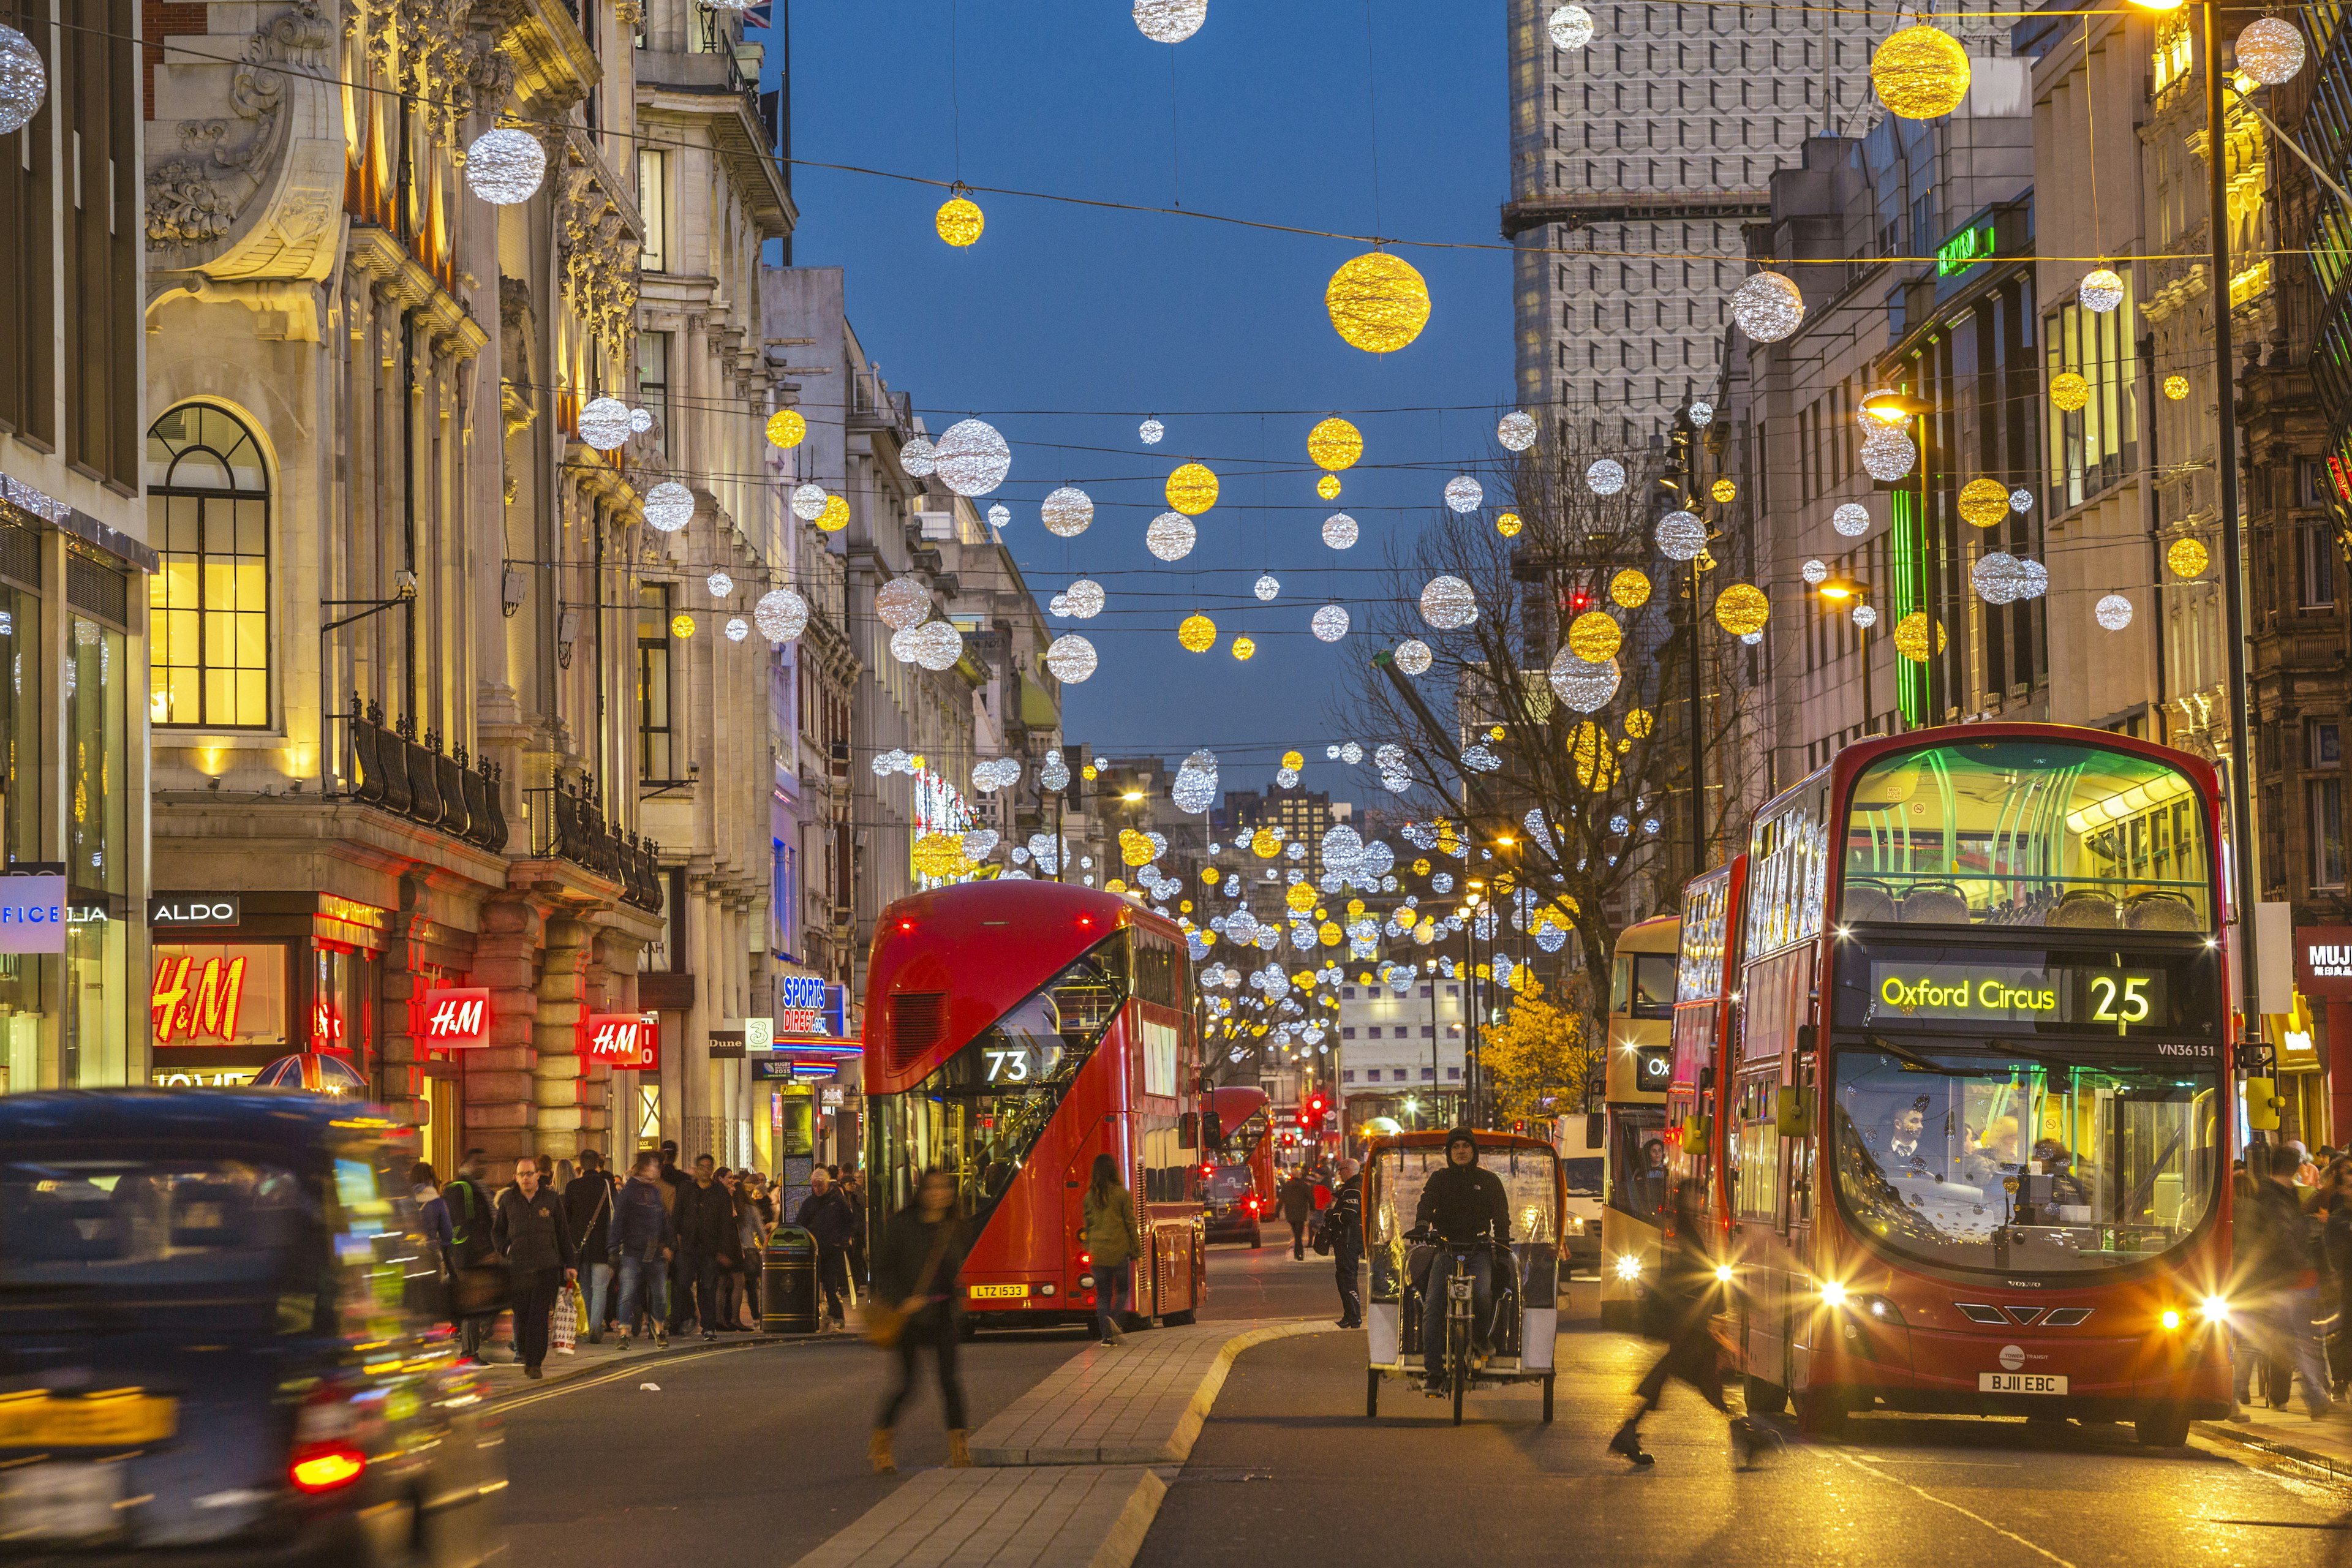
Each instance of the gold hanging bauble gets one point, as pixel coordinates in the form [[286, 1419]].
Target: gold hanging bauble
[[1629, 590], [1377, 302], [1335, 444], [1198, 633], [1742, 610], [1638, 722], [1920, 73], [1724, 491], [1244, 647], [1509, 525], [835, 515], [1984, 502], [1328, 487], [681, 625], [2176, 387], [1266, 842], [1300, 897], [1192, 489], [1594, 636], [2068, 391], [786, 428], [1911, 636], [2186, 557], [960, 220]]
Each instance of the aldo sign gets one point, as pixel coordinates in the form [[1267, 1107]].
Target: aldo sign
[[32, 915]]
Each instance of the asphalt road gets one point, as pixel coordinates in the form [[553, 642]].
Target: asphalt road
[[752, 1454], [1288, 1470]]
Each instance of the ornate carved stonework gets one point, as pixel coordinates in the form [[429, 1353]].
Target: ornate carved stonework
[[597, 242]]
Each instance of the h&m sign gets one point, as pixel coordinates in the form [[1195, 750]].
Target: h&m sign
[[453, 1017]]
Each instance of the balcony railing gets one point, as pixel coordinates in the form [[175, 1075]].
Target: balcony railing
[[420, 782], [567, 823]]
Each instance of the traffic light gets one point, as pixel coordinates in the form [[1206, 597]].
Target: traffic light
[[2261, 1104], [1579, 601]]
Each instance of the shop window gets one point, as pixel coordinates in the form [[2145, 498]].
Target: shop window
[[653, 385], [2317, 576], [2326, 801], [2323, 738], [649, 1132], [209, 618], [656, 755]]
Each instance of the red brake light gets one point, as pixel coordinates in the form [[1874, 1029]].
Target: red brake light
[[1085, 920], [906, 925], [324, 1470], [1085, 1258]]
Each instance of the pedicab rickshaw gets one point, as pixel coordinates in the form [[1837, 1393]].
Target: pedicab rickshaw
[[1527, 1281]]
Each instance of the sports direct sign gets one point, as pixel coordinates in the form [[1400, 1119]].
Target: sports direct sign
[[454, 1018], [628, 1041], [800, 1005]]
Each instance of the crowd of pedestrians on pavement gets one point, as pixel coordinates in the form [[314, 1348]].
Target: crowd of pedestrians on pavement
[[2291, 1304], [664, 1250]]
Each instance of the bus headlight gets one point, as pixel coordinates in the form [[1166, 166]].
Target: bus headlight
[[1833, 1293], [2172, 1319], [1629, 1267], [1723, 1272], [2216, 1310]]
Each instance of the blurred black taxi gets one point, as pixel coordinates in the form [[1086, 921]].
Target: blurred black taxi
[[220, 1339]]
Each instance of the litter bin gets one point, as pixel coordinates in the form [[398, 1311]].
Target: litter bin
[[788, 1294]]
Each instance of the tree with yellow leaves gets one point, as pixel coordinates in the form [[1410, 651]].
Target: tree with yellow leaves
[[1537, 1061]]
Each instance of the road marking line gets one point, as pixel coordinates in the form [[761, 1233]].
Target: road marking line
[[598, 1379], [1943, 1503]]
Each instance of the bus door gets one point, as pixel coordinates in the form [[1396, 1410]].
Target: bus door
[[1776, 1200]]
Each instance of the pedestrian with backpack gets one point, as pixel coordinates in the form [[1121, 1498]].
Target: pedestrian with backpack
[[477, 1281]]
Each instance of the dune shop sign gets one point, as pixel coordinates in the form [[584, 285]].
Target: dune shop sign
[[624, 1041], [454, 1018]]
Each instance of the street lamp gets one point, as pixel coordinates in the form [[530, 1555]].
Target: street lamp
[[2225, 456], [1844, 591]]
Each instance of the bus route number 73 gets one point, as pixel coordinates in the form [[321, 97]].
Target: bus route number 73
[[2122, 1000], [1008, 1067]]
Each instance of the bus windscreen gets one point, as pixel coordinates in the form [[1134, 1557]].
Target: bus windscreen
[[2026, 1161]]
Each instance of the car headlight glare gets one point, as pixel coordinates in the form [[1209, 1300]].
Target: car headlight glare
[[1629, 1267], [1833, 1293], [1723, 1272], [2216, 1310]]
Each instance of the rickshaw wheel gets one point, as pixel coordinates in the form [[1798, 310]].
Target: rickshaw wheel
[[1371, 1395], [1546, 1416]]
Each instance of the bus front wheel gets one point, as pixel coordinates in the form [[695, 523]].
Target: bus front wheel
[[1820, 1412], [2162, 1427]]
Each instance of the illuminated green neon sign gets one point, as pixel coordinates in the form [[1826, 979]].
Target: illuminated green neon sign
[[1964, 249]]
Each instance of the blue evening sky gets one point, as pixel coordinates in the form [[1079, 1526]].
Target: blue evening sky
[[1065, 325]]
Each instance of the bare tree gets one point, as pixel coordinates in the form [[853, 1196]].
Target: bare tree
[[1598, 804]]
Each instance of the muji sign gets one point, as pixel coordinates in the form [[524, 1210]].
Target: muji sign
[[623, 1040], [453, 1018]]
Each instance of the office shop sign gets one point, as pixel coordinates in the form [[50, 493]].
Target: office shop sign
[[33, 914]]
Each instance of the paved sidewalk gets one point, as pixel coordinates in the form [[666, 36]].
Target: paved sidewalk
[[1139, 1404], [2325, 1443], [1072, 1474]]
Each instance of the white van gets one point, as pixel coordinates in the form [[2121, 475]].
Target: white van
[[1582, 1137]]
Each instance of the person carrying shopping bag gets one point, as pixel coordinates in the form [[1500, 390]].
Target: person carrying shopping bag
[[1114, 1241], [917, 1300]]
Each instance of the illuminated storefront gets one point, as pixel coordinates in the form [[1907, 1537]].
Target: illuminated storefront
[[234, 981], [939, 808]]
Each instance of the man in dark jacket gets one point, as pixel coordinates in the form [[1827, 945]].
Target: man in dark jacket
[[1343, 1223], [588, 1202], [533, 1233], [467, 1201], [826, 1214], [640, 1240], [705, 1217], [1461, 1203], [1296, 1198]]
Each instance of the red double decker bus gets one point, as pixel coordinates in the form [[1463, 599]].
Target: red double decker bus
[[1016, 1030], [1975, 1129], [1241, 1175]]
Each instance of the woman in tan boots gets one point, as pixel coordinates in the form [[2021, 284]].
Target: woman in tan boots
[[917, 1267]]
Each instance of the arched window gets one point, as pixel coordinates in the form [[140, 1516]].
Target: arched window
[[208, 608]]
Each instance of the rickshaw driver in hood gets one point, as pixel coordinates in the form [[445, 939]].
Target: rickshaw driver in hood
[[1462, 1203]]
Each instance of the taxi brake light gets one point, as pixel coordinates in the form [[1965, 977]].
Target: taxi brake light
[[326, 1469]]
